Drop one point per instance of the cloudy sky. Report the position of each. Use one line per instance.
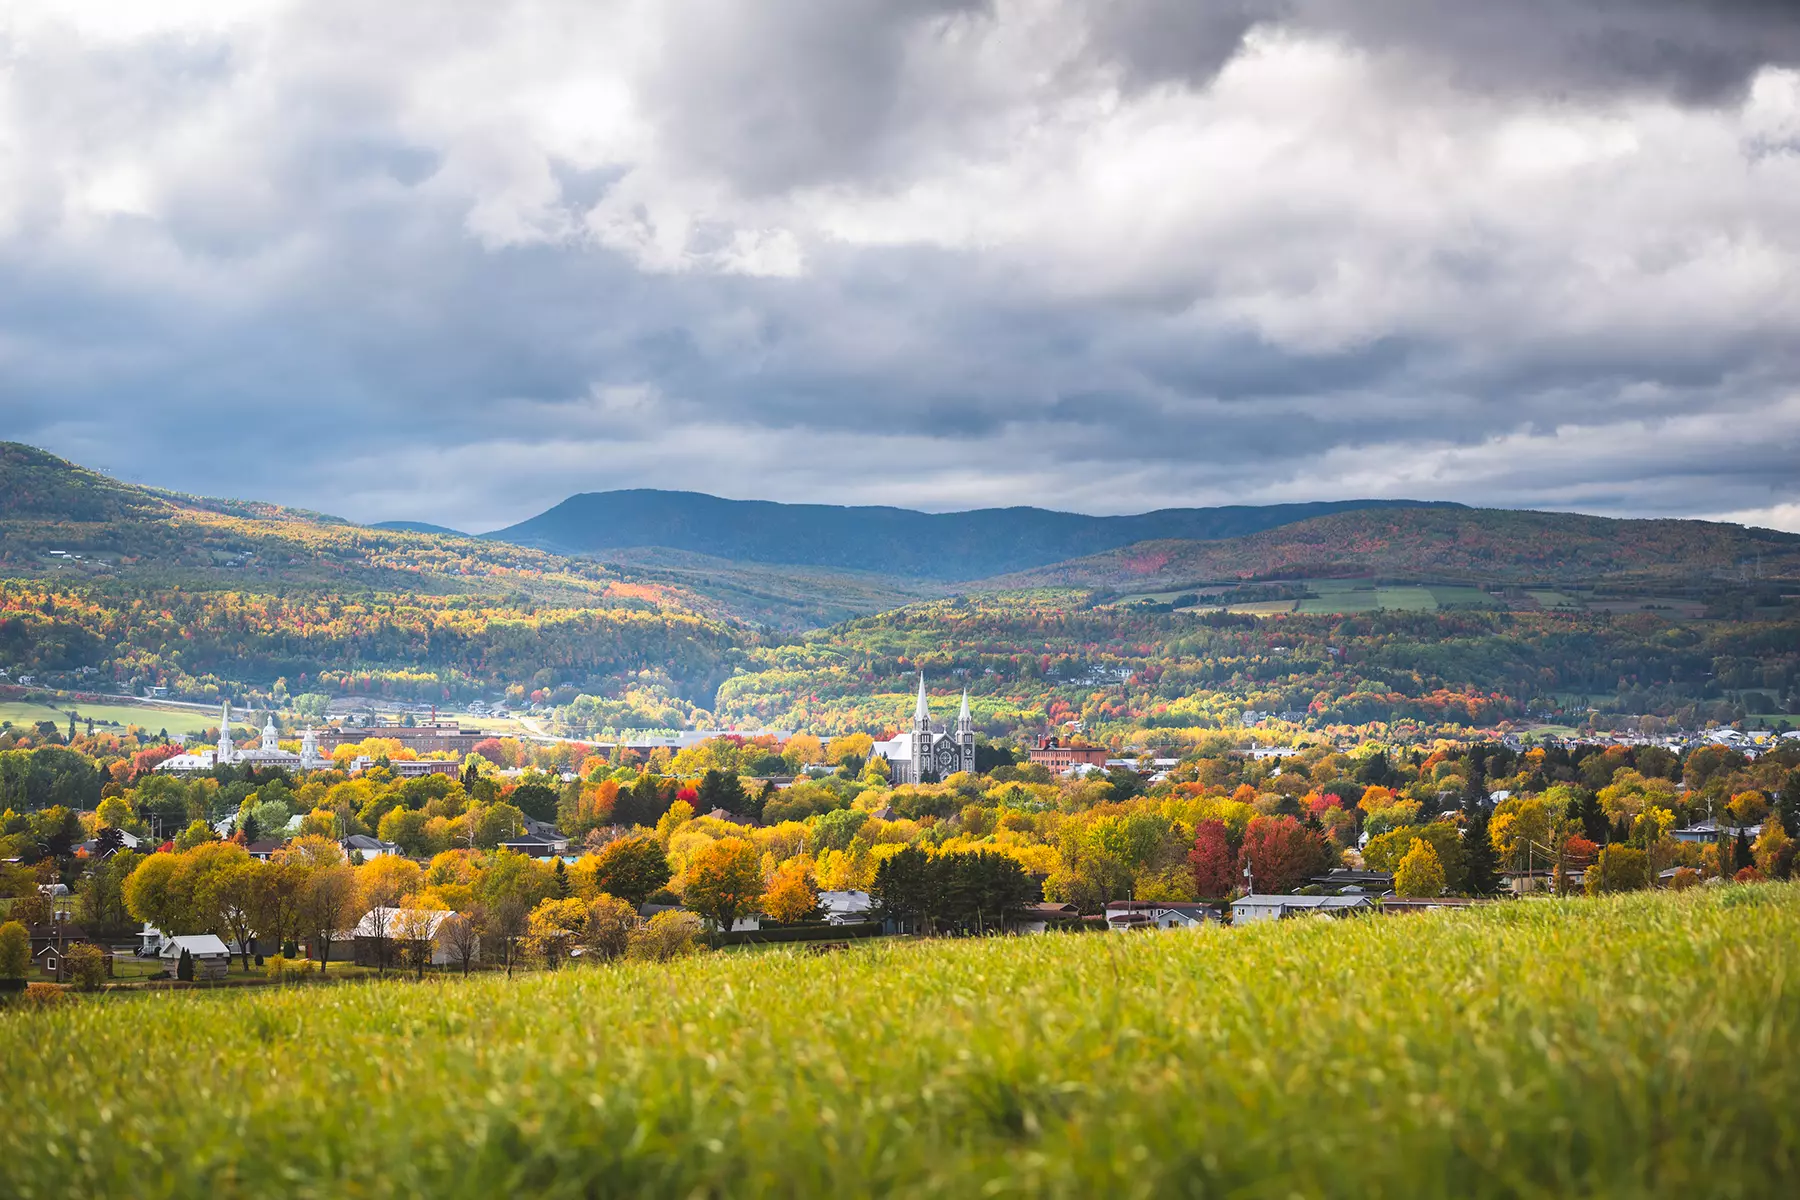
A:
(452, 261)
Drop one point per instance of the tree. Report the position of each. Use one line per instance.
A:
(553, 929)
(629, 868)
(1618, 868)
(508, 921)
(235, 893)
(412, 932)
(1481, 863)
(724, 882)
(667, 935)
(976, 890)
(1213, 860)
(1420, 873)
(1770, 847)
(1283, 854)
(327, 906)
(610, 925)
(901, 891)
(195, 834)
(793, 895)
(15, 950)
(721, 789)
(535, 800)
(184, 967)
(460, 934)
(1741, 855)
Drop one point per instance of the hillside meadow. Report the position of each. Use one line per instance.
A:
(1635, 1046)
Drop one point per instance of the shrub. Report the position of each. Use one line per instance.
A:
(282, 969)
(1684, 879)
(15, 951)
(611, 922)
(667, 935)
(86, 965)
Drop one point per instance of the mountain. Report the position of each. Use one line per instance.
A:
(888, 541)
(1442, 543)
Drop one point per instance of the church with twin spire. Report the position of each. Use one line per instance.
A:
(929, 753)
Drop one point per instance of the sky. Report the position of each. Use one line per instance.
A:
(455, 260)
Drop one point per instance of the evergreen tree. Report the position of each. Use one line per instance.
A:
(1594, 825)
(1481, 863)
(560, 879)
(1789, 804)
(1741, 855)
(184, 967)
(469, 776)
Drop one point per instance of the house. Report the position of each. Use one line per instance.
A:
(1045, 916)
(846, 908)
(265, 848)
(1257, 907)
(1705, 833)
(384, 936)
(50, 959)
(532, 845)
(1123, 915)
(149, 941)
(368, 847)
(211, 957)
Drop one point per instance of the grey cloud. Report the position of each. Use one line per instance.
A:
(307, 316)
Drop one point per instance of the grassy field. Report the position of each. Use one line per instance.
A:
(175, 720)
(1640, 1046)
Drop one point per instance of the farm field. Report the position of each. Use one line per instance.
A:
(1638, 1046)
(175, 720)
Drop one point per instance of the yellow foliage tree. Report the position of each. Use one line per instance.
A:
(1420, 873)
(792, 896)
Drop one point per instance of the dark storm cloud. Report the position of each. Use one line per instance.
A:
(1697, 52)
(454, 263)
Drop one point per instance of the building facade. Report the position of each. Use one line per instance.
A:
(266, 753)
(929, 753)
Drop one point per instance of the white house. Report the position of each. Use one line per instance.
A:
(1249, 909)
(846, 908)
(1124, 915)
(211, 956)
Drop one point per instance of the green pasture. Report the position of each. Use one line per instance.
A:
(1633, 1047)
(175, 720)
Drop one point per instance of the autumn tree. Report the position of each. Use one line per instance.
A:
(553, 929)
(629, 867)
(1213, 861)
(724, 882)
(327, 906)
(1283, 854)
(1618, 868)
(1481, 862)
(1420, 873)
(793, 894)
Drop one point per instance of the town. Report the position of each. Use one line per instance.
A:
(431, 847)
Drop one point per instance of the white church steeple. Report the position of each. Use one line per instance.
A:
(227, 753)
(922, 711)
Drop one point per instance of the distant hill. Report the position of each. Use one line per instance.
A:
(1484, 545)
(418, 527)
(888, 541)
(59, 520)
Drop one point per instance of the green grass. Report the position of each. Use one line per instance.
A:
(1640, 1046)
(175, 720)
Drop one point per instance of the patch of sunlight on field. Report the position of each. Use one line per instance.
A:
(175, 720)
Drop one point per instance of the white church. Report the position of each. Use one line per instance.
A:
(929, 753)
(267, 753)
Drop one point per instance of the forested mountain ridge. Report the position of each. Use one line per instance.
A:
(1481, 545)
(894, 541)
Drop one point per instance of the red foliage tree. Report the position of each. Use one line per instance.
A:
(1214, 862)
(1283, 853)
